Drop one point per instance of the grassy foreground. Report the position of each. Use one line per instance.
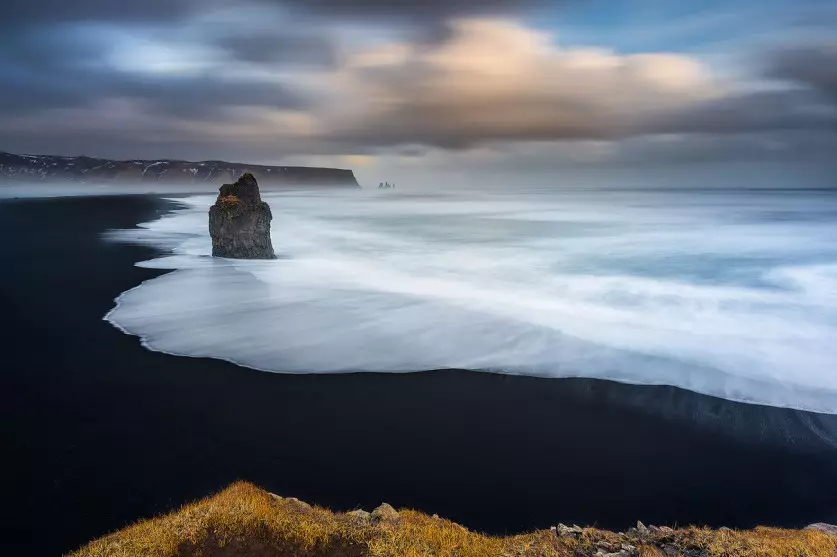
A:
(244, 520)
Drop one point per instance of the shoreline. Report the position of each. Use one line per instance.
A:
(692, 376)
(104, 431)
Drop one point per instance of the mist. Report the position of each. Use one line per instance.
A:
(76, 189)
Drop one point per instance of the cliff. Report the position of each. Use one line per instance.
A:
(244, 520)
(50, 168)
(239, 222)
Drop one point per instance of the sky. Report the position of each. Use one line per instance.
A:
(426, 90)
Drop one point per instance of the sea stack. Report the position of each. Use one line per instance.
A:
(239, 222)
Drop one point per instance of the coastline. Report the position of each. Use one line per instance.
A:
(103, 431)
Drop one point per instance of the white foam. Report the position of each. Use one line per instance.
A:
(728, 295)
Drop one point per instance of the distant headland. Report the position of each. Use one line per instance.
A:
(83, 169)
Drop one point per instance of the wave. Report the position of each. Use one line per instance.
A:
(733, 296)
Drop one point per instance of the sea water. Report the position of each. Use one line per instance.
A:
(726, 293)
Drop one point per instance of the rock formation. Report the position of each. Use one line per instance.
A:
(823, 527)
(239, 222)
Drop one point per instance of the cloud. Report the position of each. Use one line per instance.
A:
(753, 111)
(274, 78)
(280, 47)
(53, 70)
(120, 128)
(497, 80)
(44, 12)
(814, 65)
(416, 12)
(19, 13)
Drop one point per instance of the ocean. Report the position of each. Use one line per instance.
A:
(102, 432)
(731, 294)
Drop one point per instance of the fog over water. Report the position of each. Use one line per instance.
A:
(731, 294)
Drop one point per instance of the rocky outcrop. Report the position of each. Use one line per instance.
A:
(823, 527)
(384, 513)
(360, 516)
(239, 222)
(89, 170)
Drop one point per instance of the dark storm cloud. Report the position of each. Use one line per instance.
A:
(777, 112)
(43, 12)
(281, 48)
(43, 70)
(41, 67)
(774, 145)
(157, 138)
(170, 95)
(39, 12)
(203, 95)
(814, 65)
(745, 113)
(421, 10)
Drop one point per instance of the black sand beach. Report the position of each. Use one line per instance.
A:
(101, 432)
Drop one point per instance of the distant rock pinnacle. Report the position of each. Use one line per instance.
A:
(239, 222)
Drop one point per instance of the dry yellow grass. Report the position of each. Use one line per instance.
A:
(767, 542)
(245, 520)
